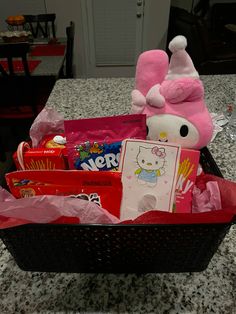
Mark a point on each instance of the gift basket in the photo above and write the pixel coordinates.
(125, 168)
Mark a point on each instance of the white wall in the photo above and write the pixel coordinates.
(67, 11)
(156, 24)
(15, 7)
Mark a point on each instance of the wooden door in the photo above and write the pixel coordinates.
(113, 36)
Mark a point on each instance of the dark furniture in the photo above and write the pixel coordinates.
(11, 51)
(209, 52)
(67, 69)
(18, 105)
(23, 95)
(221, 15)
(223, 22)
(16, 87)
(70, 34)
(42, 25)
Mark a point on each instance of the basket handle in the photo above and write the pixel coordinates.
(22, 147)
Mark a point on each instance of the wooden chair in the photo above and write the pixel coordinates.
(70, 34)
(67, 68)
(11, 51)
(41, 25)
(17, 96)
(15, 87)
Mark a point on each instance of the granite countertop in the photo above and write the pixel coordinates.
(211, 291)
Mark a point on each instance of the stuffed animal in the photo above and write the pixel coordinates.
(171, 94)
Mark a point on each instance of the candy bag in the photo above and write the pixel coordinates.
(94, 144)
(102, 188)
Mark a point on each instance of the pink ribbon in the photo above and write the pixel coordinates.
(156, 151)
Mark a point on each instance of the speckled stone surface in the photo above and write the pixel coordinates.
(211, 291)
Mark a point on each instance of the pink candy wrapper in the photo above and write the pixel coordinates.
(48, 208)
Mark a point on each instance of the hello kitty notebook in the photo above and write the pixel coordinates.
(149, 173)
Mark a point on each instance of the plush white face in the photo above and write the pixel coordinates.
(147, 160)
(174, 129)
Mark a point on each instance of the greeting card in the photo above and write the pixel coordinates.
(149, 172)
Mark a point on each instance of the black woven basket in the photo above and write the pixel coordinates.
(117, 248)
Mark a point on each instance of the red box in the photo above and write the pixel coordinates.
(189, 161)
(42, 159)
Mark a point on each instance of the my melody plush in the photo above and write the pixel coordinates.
(172, 97)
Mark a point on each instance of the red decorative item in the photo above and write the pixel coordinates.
(225, 215)
(103, 188)
(39, 158)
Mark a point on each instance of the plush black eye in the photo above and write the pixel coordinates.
(143, 161)
(147, 130)
(183, 130)
(156, 162)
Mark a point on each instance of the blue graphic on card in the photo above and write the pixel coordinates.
(97, 157)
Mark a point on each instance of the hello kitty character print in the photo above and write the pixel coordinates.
(148, 173)
(151, 162)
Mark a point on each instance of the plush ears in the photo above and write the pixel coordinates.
(171, 94)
